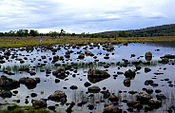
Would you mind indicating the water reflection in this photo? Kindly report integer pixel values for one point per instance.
(162, 44)
(96, 79)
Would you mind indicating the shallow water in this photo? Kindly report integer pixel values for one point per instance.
(113, 84)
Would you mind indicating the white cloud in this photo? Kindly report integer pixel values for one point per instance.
(84, 15)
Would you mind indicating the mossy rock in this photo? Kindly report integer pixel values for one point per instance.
(97, 73)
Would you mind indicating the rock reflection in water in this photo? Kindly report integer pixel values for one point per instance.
(96, 79)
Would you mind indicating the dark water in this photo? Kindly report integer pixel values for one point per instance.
(47, 85)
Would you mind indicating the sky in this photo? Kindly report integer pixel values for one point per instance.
(87, 16)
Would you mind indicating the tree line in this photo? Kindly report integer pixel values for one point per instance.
(26, 32)
(55, 34)
(20, 33)
(165, 30)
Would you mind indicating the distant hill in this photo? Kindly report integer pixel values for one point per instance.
(164, 30)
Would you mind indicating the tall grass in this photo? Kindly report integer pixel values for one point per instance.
(33, 41)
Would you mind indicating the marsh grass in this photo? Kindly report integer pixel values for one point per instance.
(35, 41)
(15, 68)
(22, 109)
(82, 65)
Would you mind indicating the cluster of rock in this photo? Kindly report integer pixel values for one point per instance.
(60, 73)
(7, 84)
(108, 47)
(58, 96)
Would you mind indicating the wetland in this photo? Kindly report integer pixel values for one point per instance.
(92, 77)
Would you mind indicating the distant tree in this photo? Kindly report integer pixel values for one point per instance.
(1, 34)
(62, 32)
(11, 33)
(26, 32)
(103, 36)
(121, 34)
(42, 34)
(54, 34)
(20, 33)
(34, 33)
(73, 34)
(82, 34)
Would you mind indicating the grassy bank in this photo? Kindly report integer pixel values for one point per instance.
(32, 41)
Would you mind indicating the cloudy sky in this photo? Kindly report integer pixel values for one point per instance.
(84, 15)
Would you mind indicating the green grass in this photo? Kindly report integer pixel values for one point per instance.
(100, 72)
(85, 65)
(35, 41)
(24, 109)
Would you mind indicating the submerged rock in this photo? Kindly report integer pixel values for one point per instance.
(106, 57)
(39, 103)
(149, 91)
(119, 72)
(7, 53)
(98, 73)
(133, 55)
(164, 61)
(154, 103)
(8, 83)
(58, 96)
(84, 101)
(29, 82)
(158, 91)
(33, 95)
(95, 75)
(112, 109)
(127, 82)
(32, 73)
(90, 107)
(149, 82)
(87, 84)
(138, 67)
(81, 56)
(108, 47)
(60, 73)
(169, 56)
(55, 58)
(69, 109)
(148, 56)
(114, 98)
(143, 97)
(73, 87)
(134, 104)
(106, 94)
(161, 96)
(132, 92)
(88, 53)
(67, 55)
(147, 70)
(5, 94)
(2, 61)
(130, 73)
(51, 108)
(94, 89)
